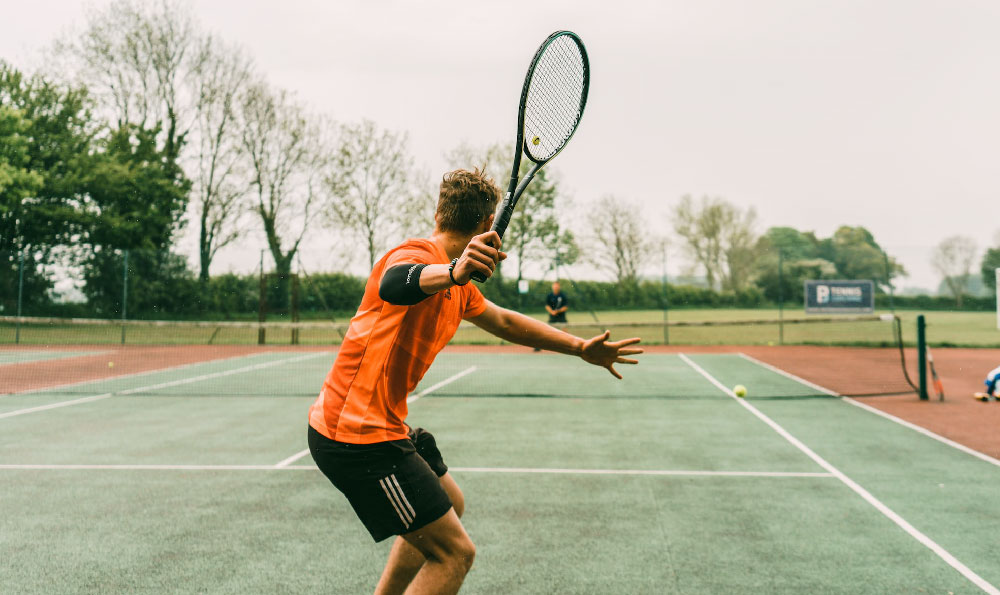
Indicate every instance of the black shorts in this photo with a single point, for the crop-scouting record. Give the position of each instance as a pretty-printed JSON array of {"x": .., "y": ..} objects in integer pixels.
[{"x": 392, "y": 486}]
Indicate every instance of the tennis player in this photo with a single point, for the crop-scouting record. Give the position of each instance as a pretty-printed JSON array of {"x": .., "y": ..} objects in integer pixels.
[{"x": 394, "y": 476}]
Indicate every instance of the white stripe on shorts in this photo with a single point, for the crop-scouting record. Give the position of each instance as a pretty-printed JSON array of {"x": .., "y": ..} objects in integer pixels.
[
  {"x": 402, "y": 496},
  {"x": 390, "y": 493}
]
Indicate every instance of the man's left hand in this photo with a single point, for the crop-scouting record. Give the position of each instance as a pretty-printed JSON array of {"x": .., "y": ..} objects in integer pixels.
[{"x": 601, "y": 352}]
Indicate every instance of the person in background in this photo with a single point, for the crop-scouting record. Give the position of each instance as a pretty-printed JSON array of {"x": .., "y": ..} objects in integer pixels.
[{"x": 556, "y": 304}]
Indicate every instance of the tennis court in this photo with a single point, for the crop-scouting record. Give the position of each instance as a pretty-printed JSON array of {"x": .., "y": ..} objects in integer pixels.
[{"x": 193, "y": 478}]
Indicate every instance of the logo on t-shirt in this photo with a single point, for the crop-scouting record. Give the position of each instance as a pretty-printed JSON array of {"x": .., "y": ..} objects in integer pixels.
[{"x": 447, "y": 293}]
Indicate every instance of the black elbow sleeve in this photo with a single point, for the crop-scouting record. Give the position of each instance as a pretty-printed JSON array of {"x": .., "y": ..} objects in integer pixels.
[{"x": 401, "y": 285}]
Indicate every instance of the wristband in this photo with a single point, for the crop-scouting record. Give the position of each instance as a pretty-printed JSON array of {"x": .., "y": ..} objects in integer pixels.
[{"x": 451, "y": 268}]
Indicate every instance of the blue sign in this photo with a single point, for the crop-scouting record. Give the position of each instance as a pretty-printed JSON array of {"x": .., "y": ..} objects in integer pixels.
[{"x": 840, "y": 297}]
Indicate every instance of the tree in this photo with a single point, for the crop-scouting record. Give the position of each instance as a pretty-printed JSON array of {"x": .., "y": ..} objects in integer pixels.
[
  {"x": 719, "y": 237},
  {"x": 619, "y": 239},
  {"x": 140, "y": 58},
  {"x": 856, "y": 254},
  {"x": 796, "y": 253},
  {"x": 369, "y": 185},
  {"x": 953, "y": 259},
  {"x": 45, "y": 158},
  {"x": 136, "y": 199},
  {"x": 17, "y": 184},
  {"x": 417, "y": 213},
  {"x": 792, "y": 243},
  {"x": 284, "y": 150},
  {"x": 990, "y": 263},
  {"x": 220, "y": 178},
  {"x": 738, "y": 248}
]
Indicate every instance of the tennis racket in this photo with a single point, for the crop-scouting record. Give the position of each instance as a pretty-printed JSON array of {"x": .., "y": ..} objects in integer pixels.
[{"x": 552, "y": 101}]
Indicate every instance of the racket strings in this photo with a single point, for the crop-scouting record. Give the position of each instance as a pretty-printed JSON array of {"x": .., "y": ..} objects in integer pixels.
[{"x": 555, "y": 95}]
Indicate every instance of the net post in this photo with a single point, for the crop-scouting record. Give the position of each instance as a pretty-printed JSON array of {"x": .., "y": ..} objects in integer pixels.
[
  {"x": 922, "y": 355},
  {"x": 20, "y": 296},
  {"x": 124, "y": 293}
]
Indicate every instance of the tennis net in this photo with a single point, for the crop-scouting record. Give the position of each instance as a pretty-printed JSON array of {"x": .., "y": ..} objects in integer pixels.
[{"x": 219, "y": 359}]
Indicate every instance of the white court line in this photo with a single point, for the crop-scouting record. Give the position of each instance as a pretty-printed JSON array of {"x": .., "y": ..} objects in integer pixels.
[
  {"x": 645, "y": 472},
  {"x": 667, "y": 472},
  {"x": 292, "y": 458},
  {"x": 149, "y": 467},
  {"x": 869, "y": 408},
  {"x": 444, "y": 382},
  {"x": 133, "y": 375},
  {"x": 789, "y": 375},
  {"x": 865, "y": 494},
  {"x": 163, "y": 384}
]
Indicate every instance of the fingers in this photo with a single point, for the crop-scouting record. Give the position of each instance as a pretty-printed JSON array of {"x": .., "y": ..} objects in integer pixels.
[
  {"x": 473, "y": 265},
  {"x": 630, "y": 351},
  {"x": 625, "y": 342},
  {"x": 483, "y": 259},
  {"x": 614, "y": 372},
  {"x": 625, "y": 360},
  {"x": 490, "y": 238},
  {"x": 503, "y": 256},
  {"x": 487, "y": 244}
]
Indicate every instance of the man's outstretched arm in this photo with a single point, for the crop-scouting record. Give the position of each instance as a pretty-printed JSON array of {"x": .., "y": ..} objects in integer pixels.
[{"x": 524, "y": 330}]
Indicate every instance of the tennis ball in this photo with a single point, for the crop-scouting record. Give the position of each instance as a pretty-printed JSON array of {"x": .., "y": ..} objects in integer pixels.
[
  {"x": 739, "y": 390},
  {"x": 536, "y": 140},
  {"x": 111, "y": 364}
]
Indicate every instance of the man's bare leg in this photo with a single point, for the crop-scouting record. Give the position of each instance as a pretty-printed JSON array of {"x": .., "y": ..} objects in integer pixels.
[{"x": 406, "y": 560}]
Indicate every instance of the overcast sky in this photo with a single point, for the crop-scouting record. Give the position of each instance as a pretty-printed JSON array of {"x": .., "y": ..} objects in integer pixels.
[{"x": 881, "y": 113}]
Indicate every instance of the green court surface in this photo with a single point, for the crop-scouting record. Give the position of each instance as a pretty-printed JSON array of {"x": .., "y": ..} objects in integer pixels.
[{"x": 195, "y": 479}]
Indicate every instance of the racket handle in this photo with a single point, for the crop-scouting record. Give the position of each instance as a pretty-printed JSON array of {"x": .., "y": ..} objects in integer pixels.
[{"x": 499, "y": 226}]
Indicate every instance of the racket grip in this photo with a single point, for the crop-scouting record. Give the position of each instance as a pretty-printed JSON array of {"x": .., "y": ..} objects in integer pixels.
[{"x": 499, "y": 226}]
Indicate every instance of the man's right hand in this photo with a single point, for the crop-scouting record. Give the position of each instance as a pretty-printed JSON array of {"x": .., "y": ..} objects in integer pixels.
[{"x": 479, "y": 256}]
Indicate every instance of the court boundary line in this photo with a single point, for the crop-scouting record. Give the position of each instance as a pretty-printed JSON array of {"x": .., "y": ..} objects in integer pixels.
[
  {"x": 854, "y": 486},
  {"x": 179, "y": 382},
  {"x": 525, "y": 470},
  {"x": 48, "y": 359},
  {"x": 948, "y": 441},
  {"x": 291, "y": 459},
  {"x": 56, "y": 387}
]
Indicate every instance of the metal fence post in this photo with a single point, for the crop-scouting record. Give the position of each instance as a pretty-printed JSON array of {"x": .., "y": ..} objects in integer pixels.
[
  {"x": 666, "y": 300},
  {"x": 781, "y": 299},
  {"x": 124, "y": 294},
  {"x": 20, "y": 296}
]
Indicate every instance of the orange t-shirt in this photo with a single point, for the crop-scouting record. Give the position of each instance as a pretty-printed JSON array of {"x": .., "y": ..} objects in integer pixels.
[{"x": 386, "y": 352}]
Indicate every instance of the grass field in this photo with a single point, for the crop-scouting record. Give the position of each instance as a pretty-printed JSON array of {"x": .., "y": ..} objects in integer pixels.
[
  {"x": 663, "y": 483},
  {"x": 953, "y": 329}
]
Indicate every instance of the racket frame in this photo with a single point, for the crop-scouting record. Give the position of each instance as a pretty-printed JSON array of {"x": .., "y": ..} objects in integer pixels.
[{"x": 515, "y": 189}]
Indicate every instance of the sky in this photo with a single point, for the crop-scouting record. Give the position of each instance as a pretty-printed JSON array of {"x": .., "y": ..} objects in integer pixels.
[{"x": 815, "y": 113}]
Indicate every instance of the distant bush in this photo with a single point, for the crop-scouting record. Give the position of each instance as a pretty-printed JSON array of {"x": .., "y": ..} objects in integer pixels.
[{"x": 937, "y": 302}]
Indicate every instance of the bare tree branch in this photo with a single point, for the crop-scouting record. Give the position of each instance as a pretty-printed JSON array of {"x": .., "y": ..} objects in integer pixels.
[
  {"x": 369, "y": 185},
  {"x": 620, "y": 238},
  {"x": 953, "y": 259},
  {"x": 284, "y": 150}
]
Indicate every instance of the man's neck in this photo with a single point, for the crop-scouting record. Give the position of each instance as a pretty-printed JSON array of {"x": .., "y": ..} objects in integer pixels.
[{"x": 452, "y": 244}]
